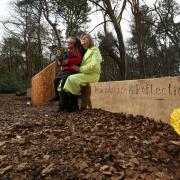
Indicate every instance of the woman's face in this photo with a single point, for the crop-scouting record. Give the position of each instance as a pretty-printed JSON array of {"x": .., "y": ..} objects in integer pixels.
[
  {"x": 85, "y": 41},
  {"x": 70, "y": 43}
]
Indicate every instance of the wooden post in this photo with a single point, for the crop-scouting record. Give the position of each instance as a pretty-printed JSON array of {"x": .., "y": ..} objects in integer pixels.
[{"x": 43, "y": 85}]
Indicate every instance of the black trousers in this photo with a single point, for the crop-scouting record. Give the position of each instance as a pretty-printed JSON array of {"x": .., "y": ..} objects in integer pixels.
[{"x": 61, "y": 76}]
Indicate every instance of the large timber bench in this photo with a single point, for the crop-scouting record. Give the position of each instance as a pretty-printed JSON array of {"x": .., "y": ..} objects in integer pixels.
[{"x": 155, "y": 98}]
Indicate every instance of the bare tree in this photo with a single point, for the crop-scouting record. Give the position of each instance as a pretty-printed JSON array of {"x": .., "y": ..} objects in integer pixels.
[
  {"x": 167, "y": 11},
  {"x": 113, "y": 10},
  {"x": 138, "y": 19},
  {"x": 26, "y": 26},
  {"x": 74, "y": 15},
  {"x": 49, "y": 13}
]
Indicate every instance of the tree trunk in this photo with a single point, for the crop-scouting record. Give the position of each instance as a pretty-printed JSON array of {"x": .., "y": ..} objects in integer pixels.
[
  {"x": 121, "y": 48},
  {"x": 140, "y": 39},
  {"x": 39, "y": 43}
]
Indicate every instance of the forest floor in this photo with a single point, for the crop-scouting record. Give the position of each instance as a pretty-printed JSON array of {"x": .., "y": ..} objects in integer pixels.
[{"x": 39, "y": 143}]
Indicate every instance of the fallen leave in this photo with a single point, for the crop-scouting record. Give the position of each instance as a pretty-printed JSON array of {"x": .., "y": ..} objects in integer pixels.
[
  {"x": 21, "y": 166},
  {"x": 47, "y": 170},
  {"x": 2, "y": 143},
  {"x": 7, "y": 168},
  {"x": 3, "y": 157}
]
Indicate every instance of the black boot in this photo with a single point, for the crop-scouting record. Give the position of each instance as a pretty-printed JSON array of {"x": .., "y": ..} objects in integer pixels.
[
  {"x": 63, "y": 101},
  {"x": 72, "y": 102}
]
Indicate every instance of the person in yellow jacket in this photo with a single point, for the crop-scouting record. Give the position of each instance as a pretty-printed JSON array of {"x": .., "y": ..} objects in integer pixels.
[{"x": 89, "y": 71}]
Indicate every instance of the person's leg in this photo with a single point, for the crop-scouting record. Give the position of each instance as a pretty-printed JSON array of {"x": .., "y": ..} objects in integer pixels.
[
  {"x": 73, "y": 102},
  {"x": 74, "y": 82},
  {"x": 56, "y": 84},
  {"x": 61, "y": 75},
  {"x": 63, "y": 101},
  {"x": 73, "y": 86},
  {"x": 64, "y": 96}
]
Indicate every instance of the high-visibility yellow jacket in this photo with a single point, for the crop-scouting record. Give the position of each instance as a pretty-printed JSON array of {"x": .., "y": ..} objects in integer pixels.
[
  {"x": 90, "y": 69},
  {"x": 175, "y": 120}
]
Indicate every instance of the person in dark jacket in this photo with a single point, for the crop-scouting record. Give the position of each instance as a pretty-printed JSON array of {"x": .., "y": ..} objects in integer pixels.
[{"x": 65, "y": 61}]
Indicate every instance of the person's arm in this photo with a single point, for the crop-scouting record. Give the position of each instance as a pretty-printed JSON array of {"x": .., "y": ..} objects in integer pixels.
[
  {"x": 76, "y": 68},
  {"x": 75, "y": 60},
  {"x": 94, "y": 65}
]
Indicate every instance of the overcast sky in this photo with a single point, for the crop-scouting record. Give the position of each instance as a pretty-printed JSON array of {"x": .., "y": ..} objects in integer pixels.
[{"x": 5, "y": 13}]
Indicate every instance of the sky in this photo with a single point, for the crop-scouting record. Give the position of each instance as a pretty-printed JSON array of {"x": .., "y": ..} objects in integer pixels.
[{"x": 5, "y": 13}]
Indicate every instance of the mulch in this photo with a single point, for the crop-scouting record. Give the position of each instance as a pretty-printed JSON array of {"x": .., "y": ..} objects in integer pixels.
[{"x": 40, "y": 143}]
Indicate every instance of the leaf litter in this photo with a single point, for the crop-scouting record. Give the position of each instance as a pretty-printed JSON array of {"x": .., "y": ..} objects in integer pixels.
[{"x": 39, "y": 143}]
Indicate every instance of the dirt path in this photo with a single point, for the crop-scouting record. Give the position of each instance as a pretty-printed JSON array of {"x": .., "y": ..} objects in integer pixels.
[{"x": 38, "y": 143}]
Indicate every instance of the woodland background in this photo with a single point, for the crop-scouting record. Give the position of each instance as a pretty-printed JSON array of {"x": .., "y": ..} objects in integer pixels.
[{"x": 152, "y": 50}]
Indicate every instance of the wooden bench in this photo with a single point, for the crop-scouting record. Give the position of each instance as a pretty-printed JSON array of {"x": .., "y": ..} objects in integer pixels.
[{"x": 43, "y": 88}]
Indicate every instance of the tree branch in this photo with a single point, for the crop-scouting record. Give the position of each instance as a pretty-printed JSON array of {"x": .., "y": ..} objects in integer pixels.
[
  {"x": 97, "y": 4},
  {"x": 119, "y": 18},
  {"x": 99, "y": 25}
]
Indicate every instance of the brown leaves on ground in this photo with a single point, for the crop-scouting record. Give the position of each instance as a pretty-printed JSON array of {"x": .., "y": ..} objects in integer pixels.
[
  {"x": 39, "y": 143},
  {"x": 47, "y": 170}
]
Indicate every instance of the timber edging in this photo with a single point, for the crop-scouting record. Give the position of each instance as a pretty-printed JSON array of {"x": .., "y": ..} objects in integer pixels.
[{"x": 155, "y": 98}]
